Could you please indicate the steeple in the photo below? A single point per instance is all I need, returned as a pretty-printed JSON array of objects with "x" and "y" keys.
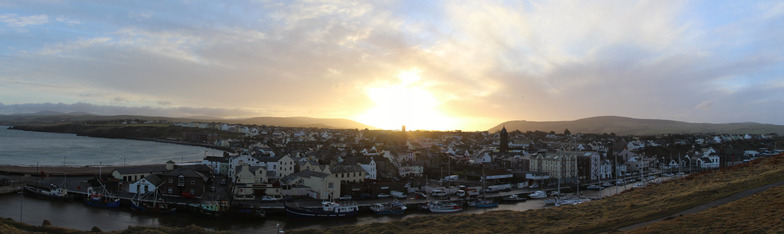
[{"x": 504, "y": 147}]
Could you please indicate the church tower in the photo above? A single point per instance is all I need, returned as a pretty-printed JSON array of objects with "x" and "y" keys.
[{"x": 504, "y": 147}]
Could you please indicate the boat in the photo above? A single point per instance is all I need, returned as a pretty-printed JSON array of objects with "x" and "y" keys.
[
  {"x": 538, "y": 195},
  {"x": 101, "y": 199},
  {"x": 444, "y": 207},
  {"x": 151, "y": 203},
  {"x": 485, "y": 203},
  {"x": 389, "y": 208},
  {"x": 211, "y": 208},
  {"x": 515, "y": 198},
  {"x": 594, "y": 187},
  {"x": 328, "y": 209},
  {"x": 53, "y": 192},
  {"x": 570, "y": 200},
  {"x": 247, "y": 212}
]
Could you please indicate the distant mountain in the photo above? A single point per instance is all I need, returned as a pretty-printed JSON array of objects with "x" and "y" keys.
[
  {"x": 302, "y": 122},
  {"x": 48, "y": 117},
  {"x": 631, "y": 126}
]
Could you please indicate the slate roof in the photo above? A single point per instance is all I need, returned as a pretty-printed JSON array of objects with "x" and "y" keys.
[{"x": 141, "y": 169}]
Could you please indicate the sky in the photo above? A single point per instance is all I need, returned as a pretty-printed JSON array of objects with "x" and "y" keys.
[{"x": 438, "y": 65}]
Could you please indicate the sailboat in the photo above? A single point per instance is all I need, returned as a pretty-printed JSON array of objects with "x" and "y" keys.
[{"x": 484, "y": 202}]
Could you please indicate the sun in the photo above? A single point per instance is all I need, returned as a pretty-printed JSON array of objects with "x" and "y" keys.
[{"x": 406, "y": 101}]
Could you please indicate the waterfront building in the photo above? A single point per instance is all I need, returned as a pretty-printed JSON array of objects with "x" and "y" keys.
[
  {"x": 145, "y": 185},
  {"x": 134, "y": 173}
]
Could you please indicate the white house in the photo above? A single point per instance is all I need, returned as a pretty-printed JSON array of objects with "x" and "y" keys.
[
  {"x": 370, "y": 169},
  {"x": 145, "y": 185}
]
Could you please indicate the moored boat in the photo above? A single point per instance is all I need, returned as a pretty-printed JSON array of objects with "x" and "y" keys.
[
  {"x": 52, "y": 192},
  {"x": 211, "y": 208},
  {"x": 152, "y": 208},
  {"x": 538, "y": 195},
  {"x": 101, "y": 199},
  {"x": 328, "y": 209},
  {"x": 444, "y": 207},
  {"x": 390, "y": 208}
]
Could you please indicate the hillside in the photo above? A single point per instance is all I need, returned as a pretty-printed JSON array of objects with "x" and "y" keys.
[
  {"x": 631, "y": 126},
  {"x": 58, "y": 117}
]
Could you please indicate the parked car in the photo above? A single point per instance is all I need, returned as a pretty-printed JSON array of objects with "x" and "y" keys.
[
  {"x": 269, "y": 198},
  {"x": 345, "y": 197},
  {"x": 383, "y": 195},
  {"x": 419, "y": 195}
]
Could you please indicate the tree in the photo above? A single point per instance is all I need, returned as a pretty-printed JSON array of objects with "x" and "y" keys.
[{"x": 567, "y": 132}]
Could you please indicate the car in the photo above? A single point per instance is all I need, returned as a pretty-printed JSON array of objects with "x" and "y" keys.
[
  {"x": 534, "y": 186},
  {"x": 419, "y": 195},
  {"x": 383, "y": 195},
  {"x": 269, "y": 198},
  {"x": 345, "y": 197}
]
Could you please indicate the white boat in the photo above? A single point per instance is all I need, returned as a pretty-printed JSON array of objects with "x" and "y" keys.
[
  {"x": 538, "y": 195},
  {"x": 570, "y": 201},
  {"x": 444, "y": 207}
]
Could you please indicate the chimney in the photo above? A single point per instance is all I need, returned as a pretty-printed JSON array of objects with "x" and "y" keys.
[{"x": 169, "y": 165}]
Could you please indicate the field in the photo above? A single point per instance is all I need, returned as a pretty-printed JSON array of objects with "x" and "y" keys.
[{"x": 630, "y": 207}]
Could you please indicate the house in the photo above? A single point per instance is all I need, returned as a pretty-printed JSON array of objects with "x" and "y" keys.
[
  {"x": 588, "y": 165},
  {"x": 188, "y": 182},
  {"x": 245, "y": 178},
  {"x": 145, "y": 185},
  {"x": 411, "y": 169},
  {"x": 370, "y": 168},
  {"x": 319, "y": 185},
  {"x": 220, "y": 165},
  {"x": 560, "y": 165},
  {"x": 348, "y": 173},
  {"x": 130, "y": 174}
]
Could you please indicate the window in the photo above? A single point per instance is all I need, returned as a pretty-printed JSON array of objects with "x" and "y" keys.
[
  {"x": 193, "y": 181},
  {"x": 330, "y": 185},
  {"x": 181, "y": 181},
  {"x": 170, "y": 190},
  {"x": 146, "y": 188},
  {"x": 171, "y": 180}
]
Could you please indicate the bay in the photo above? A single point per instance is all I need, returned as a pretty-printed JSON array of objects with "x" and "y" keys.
[{"x": 25, "y": 148}]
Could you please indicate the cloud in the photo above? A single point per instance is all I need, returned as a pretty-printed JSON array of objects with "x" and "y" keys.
[
  {"x": 63, "y": 19},
  {"x": 22, "y": 21},
  {"x": 651, "y": 59}
]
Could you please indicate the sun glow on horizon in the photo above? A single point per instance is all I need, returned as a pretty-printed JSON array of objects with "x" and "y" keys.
[{"x": 406, "y": 102}]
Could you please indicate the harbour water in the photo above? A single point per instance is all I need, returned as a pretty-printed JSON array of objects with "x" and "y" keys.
[
  {"x": 24, "y": 148},
  {"x": 29, "y": 148}
]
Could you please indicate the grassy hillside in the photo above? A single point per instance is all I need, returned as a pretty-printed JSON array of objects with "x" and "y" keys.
[
  {"x": 618, "y": 211},
  {"x": 759, "y": 213},
  {"x": 631, "y": 126}
]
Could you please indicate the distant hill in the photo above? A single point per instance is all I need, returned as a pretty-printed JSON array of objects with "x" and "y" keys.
[
  {"x": 631, "y": 126},
  {"x": 58, "y": 117}
]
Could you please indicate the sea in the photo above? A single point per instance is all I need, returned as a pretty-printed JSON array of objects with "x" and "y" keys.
[{"x": 56, "y": 149}]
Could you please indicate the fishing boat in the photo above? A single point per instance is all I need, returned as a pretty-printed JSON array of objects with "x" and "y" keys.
[
  {"x": 247, "y": 212},
  {"x": 594, "y": 187},
  {"x": 211, "y": 208},
  {"x": 53, "y": 192},
  {"x": 444, "y": 207},
  {"x": 486, "y": 203},
  {"x": 101, "y": 198},
  {"x": 389, "y": 208},
  {"x": 328, "y": 209},
  {"x": 151, "y": 203}
]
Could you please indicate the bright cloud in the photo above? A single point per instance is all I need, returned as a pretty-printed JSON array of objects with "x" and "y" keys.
[{"x": 477, "y": 62}]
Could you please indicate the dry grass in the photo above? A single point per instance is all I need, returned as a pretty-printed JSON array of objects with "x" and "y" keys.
[
  {"x": 628, "y": 208},
  {"x": 759, "y": 213}
]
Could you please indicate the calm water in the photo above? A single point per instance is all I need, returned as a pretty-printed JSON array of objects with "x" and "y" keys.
[{"x": 28, "y": 148}]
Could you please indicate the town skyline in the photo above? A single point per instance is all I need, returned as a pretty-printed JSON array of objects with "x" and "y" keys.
[{"x": 437, "y": 65}]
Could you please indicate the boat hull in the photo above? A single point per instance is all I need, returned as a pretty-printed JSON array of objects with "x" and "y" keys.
[{"x": 310, "y": 213}]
